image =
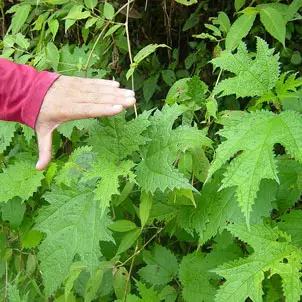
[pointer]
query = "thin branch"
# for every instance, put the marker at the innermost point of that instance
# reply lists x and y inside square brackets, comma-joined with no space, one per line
[129,48]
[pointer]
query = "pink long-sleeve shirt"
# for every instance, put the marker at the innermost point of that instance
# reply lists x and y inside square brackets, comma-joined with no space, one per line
[22,91]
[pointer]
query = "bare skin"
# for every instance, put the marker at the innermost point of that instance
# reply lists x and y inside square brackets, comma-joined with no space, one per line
[71,98]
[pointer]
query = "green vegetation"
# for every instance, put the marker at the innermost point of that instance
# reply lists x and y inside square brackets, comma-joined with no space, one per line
[193,196]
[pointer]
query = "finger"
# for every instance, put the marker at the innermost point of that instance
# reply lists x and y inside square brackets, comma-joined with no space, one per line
[85,110]
[44,144]
[88,82]
[97,98]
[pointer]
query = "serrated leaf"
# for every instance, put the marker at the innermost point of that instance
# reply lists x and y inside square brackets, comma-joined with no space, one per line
[13,211]
[161,266]
[156,170]
[28,133]
[79,161]
[65,221]
[7,132]
[20,179]
[239,29]
[116,139]
[273,253]
[273,23]
[290,189]
[195,272]
[253,77]
[67,128]
[255,135]
[110,173]
[291,224]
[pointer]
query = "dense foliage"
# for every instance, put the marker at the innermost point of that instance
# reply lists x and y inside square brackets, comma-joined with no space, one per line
[193,196]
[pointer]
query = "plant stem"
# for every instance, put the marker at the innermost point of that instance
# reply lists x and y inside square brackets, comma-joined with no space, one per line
[129,48]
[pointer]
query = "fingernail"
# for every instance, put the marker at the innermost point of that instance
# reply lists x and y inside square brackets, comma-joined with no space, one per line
[130,100]
[117,107]
[37,165]
[129,93]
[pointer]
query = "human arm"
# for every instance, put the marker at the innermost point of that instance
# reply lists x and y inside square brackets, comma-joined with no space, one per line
[44,100]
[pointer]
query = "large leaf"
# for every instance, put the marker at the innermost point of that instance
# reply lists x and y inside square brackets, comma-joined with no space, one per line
[272,253]
[251,139]
[65,221]
[161,266]
[253,77]
[156,170]
[116,139]
[20,179]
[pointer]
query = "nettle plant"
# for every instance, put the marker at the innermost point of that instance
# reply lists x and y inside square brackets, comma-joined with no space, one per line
[190,202]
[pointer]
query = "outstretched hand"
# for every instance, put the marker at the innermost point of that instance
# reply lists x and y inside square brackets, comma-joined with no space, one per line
[72,98]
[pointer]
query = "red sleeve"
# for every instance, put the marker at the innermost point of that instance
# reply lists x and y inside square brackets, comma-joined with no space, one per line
[22,91]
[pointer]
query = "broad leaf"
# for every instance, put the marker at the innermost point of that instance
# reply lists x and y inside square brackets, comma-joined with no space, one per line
[272,253]
[254,136]
[65,221]
[20,179]
[253,77]
[115,139]
[161,266]
[156,170]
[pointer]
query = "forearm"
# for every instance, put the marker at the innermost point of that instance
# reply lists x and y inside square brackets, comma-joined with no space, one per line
[22,90]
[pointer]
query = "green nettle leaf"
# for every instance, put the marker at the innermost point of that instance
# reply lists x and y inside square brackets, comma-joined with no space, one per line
[150,86]
[109,172]
[272,253]
[156,170]
[115,139]
[253,77]
[67,128]
[19,18]
[239,29]
[28,133]
[65,221]
[14,295]
[290,188]
[7,132]
[79,161]
[162,266]
[251,139]
[195,271]
[13,211]
[291,224]
[274,23]
[20,179]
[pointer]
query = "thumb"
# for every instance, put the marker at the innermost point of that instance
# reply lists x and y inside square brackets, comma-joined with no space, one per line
[45,145]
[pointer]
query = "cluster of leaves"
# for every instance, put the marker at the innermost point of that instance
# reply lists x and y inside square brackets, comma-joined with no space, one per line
[190,201]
